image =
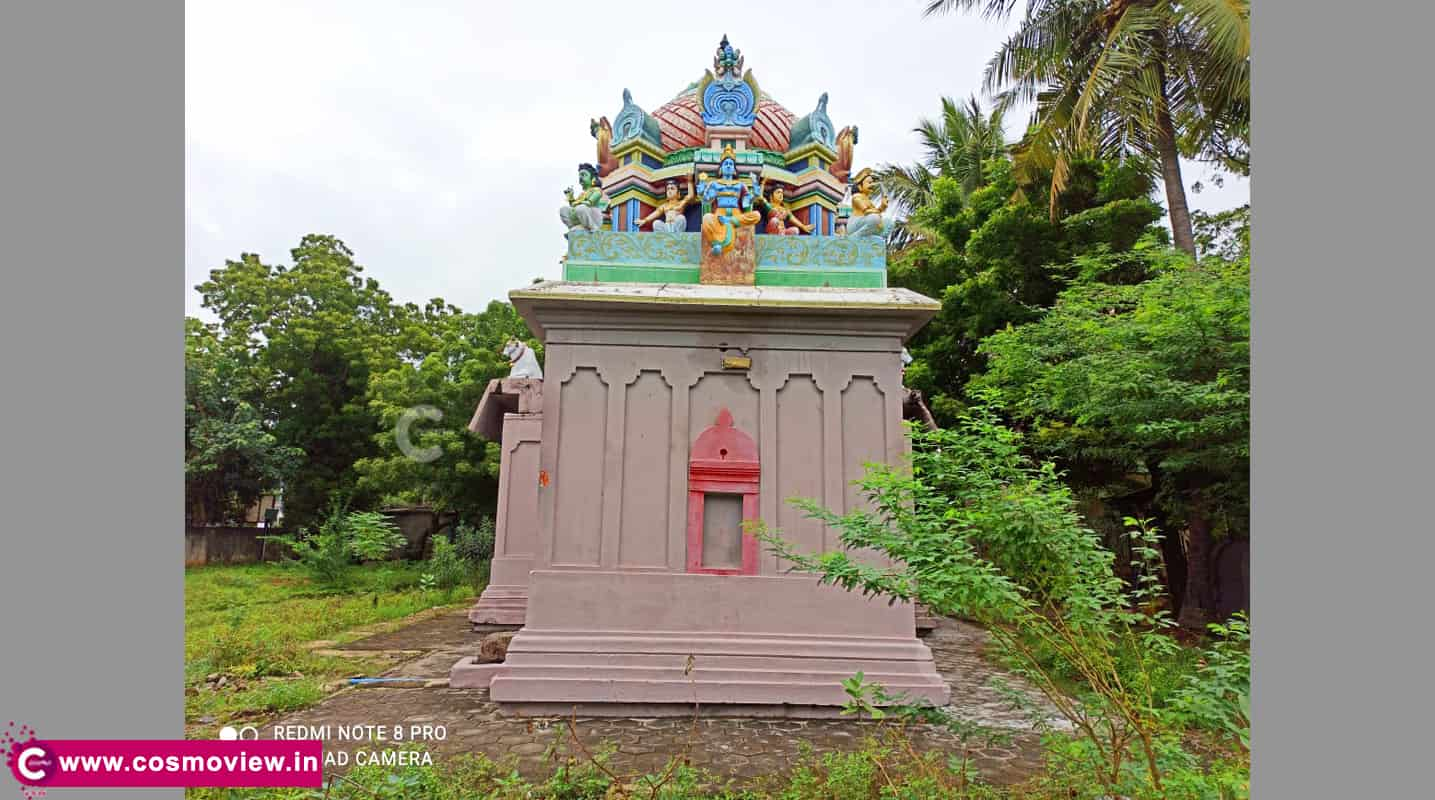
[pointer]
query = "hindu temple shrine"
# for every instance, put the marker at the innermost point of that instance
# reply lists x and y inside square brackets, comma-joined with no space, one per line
[722,339]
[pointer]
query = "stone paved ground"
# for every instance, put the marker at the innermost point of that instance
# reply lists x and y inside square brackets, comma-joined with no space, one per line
[744,749]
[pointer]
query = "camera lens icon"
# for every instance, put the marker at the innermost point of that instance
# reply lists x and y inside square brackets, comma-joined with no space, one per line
[229,733]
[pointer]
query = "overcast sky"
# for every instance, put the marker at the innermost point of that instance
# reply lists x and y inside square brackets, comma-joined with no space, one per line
[435,138]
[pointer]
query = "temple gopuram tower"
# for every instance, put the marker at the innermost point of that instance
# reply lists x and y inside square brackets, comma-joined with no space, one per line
[723,339]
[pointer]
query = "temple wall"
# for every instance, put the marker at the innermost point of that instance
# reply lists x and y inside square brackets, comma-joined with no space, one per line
[625,417]
[620,619]
[505,599]
[516,525]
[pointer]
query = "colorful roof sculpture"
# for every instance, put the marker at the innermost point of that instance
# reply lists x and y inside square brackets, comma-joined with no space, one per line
[724,158]
[634,122]
[682,123]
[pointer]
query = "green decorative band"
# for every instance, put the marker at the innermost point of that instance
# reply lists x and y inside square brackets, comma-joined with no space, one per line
[838,279]
[637,273]
[641,257]
[690,155]
[773,158]
[607,273]
[741,157]
[827,252]
[683,156]
[628,248]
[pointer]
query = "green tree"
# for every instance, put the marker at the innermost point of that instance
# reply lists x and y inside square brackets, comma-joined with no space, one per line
[439,462]
[973,526]
[1224,234]
[1112,77]
[959,144]
[230,455]
[313,333]
[1150,380]
[995,259]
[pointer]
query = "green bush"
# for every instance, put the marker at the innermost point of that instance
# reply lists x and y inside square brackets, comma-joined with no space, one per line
[975,528]
[342,536]
[1218,695]
[371,535]
[1070,762]
[445,566]
[474,543]
[324,553]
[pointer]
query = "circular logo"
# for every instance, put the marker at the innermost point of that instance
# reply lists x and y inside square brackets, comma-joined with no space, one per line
[422,455]
[34,763]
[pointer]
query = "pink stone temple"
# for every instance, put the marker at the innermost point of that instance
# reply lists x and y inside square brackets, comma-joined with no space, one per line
[671,411]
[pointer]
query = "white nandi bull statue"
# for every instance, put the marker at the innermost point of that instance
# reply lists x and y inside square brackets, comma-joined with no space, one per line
[521,359]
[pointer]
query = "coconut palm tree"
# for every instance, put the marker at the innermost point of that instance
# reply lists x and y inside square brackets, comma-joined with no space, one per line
[1121,77]
[958,144]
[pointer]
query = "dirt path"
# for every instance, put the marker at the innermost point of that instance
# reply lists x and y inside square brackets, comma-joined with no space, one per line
[744,749]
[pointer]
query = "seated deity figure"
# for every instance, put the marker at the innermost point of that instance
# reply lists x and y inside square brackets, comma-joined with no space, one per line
[780,219]
[866,217]
[731,202]
[671,210]
[585,210]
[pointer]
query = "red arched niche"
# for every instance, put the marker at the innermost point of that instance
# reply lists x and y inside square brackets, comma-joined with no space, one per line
[723,471]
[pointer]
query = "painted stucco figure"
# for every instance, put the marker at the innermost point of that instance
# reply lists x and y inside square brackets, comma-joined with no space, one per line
[815,128]
[634,123]
[585,210]
[671,210]
[730,200]
[780,219]
[846,139]
[727,96]
[866,217]
[603,132]
[522,361]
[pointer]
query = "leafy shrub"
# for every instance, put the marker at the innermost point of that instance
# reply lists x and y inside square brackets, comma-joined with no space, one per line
[575,780]
[324,553]
[976,529]
[371,535]
[342,536]
[445,566]
[1070,763]
[1218,695]
[474,543]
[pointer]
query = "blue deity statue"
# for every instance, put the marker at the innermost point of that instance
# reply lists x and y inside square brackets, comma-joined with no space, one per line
[731,202]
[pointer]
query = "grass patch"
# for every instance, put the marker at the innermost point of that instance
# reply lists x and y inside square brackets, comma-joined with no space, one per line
[877,771]
[248,629]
